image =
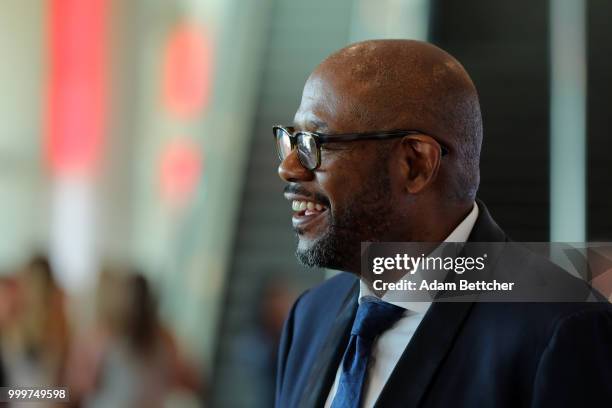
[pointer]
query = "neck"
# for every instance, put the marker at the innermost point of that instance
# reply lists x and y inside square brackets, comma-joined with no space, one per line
[435,223]
[430,224]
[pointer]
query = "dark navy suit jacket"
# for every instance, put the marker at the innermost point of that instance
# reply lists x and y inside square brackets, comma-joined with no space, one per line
[462,354]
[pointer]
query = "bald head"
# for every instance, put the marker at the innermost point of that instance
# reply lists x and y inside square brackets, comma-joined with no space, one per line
[401,84]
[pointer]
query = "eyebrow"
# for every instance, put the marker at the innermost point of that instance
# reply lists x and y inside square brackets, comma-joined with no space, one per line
[314,124]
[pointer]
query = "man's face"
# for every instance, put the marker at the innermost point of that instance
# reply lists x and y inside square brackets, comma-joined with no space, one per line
[349,198]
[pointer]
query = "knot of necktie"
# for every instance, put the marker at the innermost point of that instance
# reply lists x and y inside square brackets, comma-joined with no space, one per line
[374,317]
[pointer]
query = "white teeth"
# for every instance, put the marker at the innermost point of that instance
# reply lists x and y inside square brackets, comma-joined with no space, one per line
[297,205]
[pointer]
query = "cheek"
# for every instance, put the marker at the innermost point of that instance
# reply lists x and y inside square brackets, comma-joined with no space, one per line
[398,175]
[340,181]
[349,177]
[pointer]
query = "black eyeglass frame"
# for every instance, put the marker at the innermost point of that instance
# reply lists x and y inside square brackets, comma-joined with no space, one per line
[322,138]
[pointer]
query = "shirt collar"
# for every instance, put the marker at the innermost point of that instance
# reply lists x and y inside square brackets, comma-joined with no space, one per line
[459,234]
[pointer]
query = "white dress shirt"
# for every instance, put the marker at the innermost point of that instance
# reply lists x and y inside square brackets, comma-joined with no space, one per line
[389,346]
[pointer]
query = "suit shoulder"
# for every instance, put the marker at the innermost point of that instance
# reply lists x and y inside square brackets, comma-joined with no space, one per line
[334,286]
[583,311]
[538,279]
[328,295]
[541,320]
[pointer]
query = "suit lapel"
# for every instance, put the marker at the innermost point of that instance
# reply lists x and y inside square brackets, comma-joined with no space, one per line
[419,362]
[435,335]
[325,366]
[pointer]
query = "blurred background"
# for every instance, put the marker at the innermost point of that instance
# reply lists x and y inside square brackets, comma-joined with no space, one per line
[146,252]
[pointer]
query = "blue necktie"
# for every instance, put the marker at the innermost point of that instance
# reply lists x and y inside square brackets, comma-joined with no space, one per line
[373,317]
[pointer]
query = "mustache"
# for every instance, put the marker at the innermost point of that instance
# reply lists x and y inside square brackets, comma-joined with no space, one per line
[294,188]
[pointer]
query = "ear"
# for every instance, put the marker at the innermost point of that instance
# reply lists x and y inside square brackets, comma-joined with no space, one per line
[421,156]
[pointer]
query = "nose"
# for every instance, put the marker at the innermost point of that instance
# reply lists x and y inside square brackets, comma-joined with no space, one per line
[291,170]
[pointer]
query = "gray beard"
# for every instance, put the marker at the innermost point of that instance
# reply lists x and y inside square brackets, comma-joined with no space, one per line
[331,251]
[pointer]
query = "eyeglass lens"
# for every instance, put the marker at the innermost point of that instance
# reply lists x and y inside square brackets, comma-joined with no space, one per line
[307,150]
[306,147]
[283,143]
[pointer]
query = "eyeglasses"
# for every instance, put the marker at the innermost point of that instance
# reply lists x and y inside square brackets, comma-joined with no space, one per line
[309,143]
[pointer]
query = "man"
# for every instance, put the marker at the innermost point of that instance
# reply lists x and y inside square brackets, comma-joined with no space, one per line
[385,148]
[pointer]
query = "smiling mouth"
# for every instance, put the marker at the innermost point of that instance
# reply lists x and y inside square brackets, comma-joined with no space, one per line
[306,213]
[307,208]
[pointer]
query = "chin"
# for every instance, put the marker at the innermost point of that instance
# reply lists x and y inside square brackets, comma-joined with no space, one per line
[303,244]
[323,252]
[306,252]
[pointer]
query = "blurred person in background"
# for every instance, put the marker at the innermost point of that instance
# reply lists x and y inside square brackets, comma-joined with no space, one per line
[129,359]
[256,348]
[9,309]
[35,333]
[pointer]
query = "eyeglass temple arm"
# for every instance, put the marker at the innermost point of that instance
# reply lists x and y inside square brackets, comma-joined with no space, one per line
[349,137]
